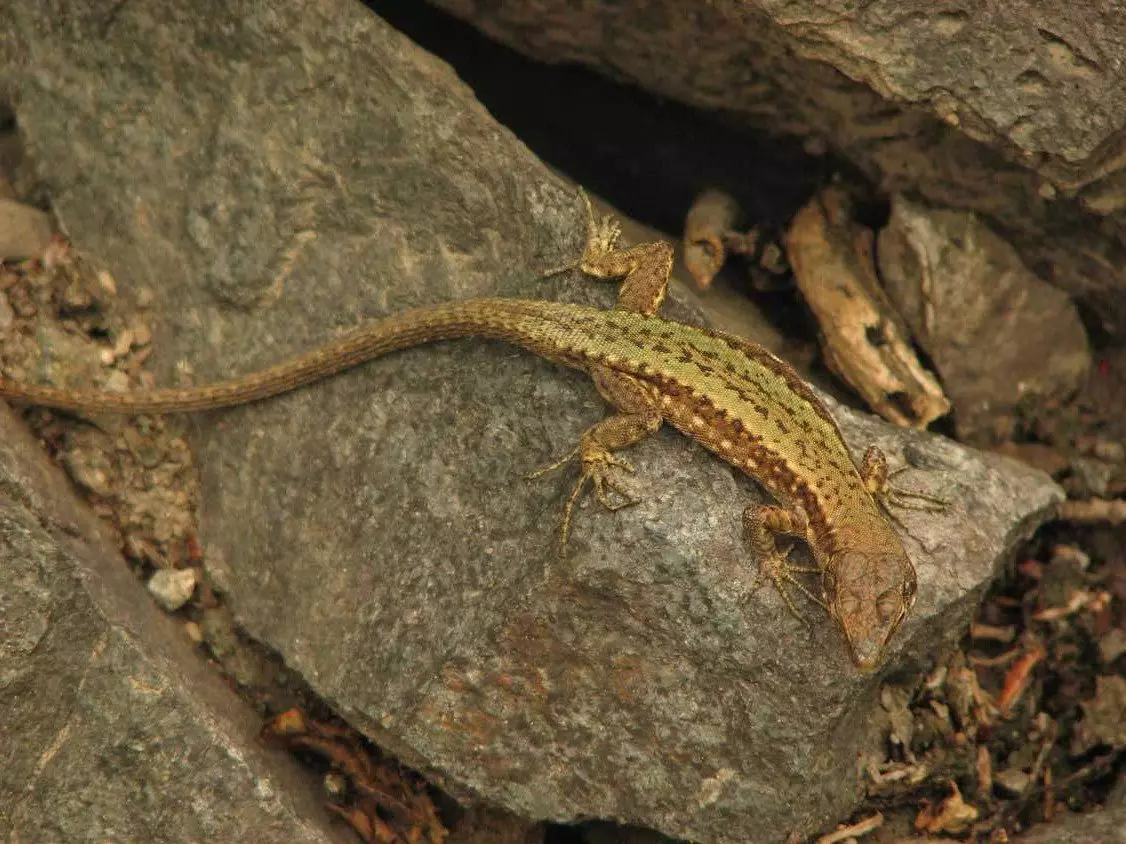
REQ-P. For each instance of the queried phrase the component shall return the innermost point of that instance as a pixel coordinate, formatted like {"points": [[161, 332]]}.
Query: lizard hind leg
{"points": [[636, 419], [762, 523]]}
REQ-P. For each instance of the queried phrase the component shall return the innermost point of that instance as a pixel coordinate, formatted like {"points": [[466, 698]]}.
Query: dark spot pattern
{"points": [[793, 443]]}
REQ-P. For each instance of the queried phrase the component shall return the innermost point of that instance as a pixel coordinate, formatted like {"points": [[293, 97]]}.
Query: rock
{"points": [[374, 530], [920, 98], [1104, 715], [114, 728], [1105, 826], [172, 588], [998, 335], [24, 231]]}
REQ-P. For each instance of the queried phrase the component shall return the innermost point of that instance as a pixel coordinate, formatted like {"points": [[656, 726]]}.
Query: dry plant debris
{"points": [[383, 803], [850, 832], [864, 340], [1023, 723], [712, 232]]}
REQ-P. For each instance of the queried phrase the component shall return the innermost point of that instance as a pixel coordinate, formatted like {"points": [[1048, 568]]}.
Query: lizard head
{"points": [[869, 593]]}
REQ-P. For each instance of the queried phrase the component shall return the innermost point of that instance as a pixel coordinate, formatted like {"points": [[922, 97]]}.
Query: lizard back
{"points": [[731, 395]]}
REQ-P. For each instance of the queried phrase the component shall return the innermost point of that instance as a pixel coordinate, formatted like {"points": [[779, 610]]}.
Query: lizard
{"points": [[730, 395]]}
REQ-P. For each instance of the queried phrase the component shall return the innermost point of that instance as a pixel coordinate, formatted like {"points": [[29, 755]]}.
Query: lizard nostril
{"points": [[866, 654]]}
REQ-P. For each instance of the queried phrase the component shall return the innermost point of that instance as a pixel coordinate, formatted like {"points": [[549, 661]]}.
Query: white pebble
{"points": [[173, 587]]}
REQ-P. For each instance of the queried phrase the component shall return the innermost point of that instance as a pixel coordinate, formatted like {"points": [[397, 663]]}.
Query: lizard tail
{"points": [[503, 319]]}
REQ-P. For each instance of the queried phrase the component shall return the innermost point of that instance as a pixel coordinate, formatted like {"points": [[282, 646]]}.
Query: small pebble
{"points": [[1112, 644], [7, 315], [1013, 780], [194, 632], [142, 333], [172, 588], [83, 471], [123, 343], [117, 382]]}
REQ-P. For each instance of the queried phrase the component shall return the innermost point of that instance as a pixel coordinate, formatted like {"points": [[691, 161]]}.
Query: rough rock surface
{"points": [[999, 336], [1013, 110], [276, 172], [24, 231], [114, 729], [1105, 826]]}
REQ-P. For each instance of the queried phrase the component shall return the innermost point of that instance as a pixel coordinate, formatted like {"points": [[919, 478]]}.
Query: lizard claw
{"points": [[777, 568], [609, 459], [604, 485], [877, 479], [602, 235], [906, 499], [597, 464], [551, 467], [596, 471]]}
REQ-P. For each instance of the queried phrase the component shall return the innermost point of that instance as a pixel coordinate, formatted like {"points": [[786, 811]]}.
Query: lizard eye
{"points": [[909, 587], [848, 604], [889, 604], [828, 584]]}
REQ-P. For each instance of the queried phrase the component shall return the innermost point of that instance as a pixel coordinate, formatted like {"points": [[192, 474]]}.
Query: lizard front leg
{"points": [[637, 417], [877, 480], [644, 269], [762, 523]]}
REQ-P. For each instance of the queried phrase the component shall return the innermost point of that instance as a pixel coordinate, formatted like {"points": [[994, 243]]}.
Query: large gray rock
{"points": [[1100, 826], [277, 172], [1013, 110], [999, 337], [114, 729]]}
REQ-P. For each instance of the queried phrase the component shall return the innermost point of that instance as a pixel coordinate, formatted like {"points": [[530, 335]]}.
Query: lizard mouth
{"points": [[865, 632], [868, 648], [866, 654]]}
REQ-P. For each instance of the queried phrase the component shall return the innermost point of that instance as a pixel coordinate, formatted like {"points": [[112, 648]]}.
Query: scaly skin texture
{"points": [[730, 395]]}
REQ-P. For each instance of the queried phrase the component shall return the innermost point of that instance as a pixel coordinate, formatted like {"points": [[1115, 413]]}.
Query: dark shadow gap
{"points": [[647, 156]]}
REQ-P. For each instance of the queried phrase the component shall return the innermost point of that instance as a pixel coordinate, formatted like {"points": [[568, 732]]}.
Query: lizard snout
{"points": [[869, 595]]}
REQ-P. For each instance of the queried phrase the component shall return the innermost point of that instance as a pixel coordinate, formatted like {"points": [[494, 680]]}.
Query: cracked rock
{"points": [[114, 729], [374, 530]]}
